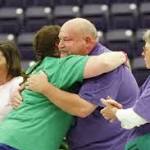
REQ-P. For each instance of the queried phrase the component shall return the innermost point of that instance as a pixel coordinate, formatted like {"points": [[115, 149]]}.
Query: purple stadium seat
{"points": [[95, 2], [66, 2], [120, 40], [125, 1], [144, 15], [96, 13], [36, 17], [46, 3], [11, 20], [18, 3], [5, 37], [24, 41], [123, 16], [64, 13]]}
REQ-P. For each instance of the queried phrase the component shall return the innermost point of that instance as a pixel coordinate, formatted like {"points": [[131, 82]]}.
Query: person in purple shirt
{"points": [[90, 131], [137, 117]]}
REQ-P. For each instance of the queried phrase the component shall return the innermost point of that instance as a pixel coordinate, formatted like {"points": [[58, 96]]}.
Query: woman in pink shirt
{"points": [[10, 75]]}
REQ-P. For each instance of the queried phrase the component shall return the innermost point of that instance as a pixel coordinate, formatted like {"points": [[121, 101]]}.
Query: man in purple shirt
{"points": [[90, 131], [93, 132]]}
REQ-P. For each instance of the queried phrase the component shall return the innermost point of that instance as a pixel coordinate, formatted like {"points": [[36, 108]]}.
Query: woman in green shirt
{"points": [[37, 124]]}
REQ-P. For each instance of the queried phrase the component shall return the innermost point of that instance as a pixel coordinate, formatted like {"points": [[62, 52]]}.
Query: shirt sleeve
{"points": [[129, 119], [72, 70], [65, 72], [102, 86]]}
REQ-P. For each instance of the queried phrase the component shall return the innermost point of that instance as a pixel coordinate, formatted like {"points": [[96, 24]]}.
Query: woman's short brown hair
{"points": [[45, 42], [12, 56]]}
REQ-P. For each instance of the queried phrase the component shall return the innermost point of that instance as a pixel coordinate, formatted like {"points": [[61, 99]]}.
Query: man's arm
{"points": [[68, 102]]}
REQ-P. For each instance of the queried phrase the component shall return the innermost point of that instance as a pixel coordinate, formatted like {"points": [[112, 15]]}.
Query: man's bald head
{"points": [[81, 25], [77, 36]]}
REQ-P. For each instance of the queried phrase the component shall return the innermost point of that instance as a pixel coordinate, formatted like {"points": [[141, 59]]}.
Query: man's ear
{"points": [[89, 43], [88, 40]]}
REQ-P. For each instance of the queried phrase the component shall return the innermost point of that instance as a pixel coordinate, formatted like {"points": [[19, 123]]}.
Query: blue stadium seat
{"points": [[144, 15], [11, 20], [24, 41], [120, 40], [36, 17], [64, 13], [98, 14], [123, 16]]}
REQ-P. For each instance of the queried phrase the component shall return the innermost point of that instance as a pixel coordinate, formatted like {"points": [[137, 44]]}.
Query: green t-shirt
{"points": [[139, 143], [38, 124]]}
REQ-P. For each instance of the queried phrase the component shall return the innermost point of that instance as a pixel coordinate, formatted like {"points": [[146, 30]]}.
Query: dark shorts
{"points": [[6, 147]]}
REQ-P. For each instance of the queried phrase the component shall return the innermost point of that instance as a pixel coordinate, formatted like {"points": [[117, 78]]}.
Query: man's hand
{"points": [[110, 109], [16, 98], [37, 82]]}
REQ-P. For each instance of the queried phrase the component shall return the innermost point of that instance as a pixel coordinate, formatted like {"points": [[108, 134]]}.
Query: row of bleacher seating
{"points": [[119, 16], [52, 3], [126, 40], [20, 17]]}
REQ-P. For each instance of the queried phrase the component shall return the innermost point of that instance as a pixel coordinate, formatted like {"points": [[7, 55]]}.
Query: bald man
{"points": [[90, 131]]}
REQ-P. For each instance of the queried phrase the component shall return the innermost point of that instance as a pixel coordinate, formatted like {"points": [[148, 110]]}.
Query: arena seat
{"points": [[123, 16], [120, 40], [36, 17], [24, 41]]}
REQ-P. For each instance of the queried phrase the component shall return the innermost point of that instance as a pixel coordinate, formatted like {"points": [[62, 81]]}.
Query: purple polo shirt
{"points": [[142, 107], [94, 132]]}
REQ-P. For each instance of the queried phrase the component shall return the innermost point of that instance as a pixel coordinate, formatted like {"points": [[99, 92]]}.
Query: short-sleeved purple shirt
{"points": [[94, 132], [142, 107]]}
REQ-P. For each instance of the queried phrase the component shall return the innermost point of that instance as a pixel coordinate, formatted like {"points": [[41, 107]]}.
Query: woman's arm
{"points": [[97, 65], [68, 102]]}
